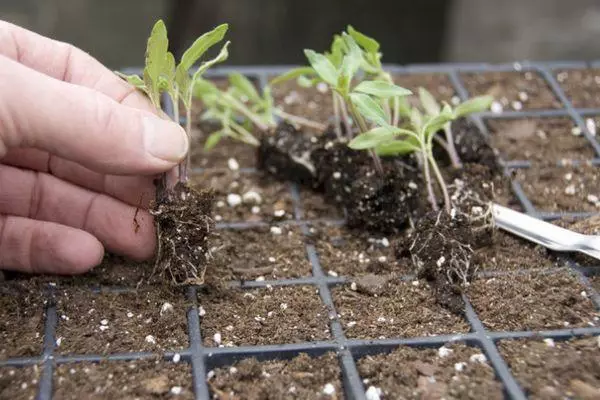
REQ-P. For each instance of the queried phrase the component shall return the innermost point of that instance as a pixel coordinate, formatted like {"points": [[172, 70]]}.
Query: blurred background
{"points": [[275, 31]]}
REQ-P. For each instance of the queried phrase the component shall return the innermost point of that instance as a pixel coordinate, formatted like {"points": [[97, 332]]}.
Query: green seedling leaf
{"points": [[323, 67], [337, 51], [213, 139], [381, 89], [222, 56], [396, 148], [293, 74], [404, 108], [416, 118], [244, 86], [369, 44], [203, 88], [474, 105], [305, 82], [369, 108], [133, 80], [376, 137], [429, 103], [201, 45], [156, 60], [434, 124]]}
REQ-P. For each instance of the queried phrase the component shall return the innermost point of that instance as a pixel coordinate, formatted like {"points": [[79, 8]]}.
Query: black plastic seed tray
{"points": [[203, 359]]}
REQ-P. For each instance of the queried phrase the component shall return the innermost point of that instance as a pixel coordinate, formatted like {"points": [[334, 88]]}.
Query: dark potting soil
{"points": [[246, 196], [438, 85], [147, 320], [140, 379], [561, 189], [384, 307], [258, 253], [315, 206], [314, 103], [302, 377], [553, 370], [19, 383], [527, 88], [543, 140], [184, 225], [582, 86], [345, 252], [219, 156], [275, 315], [455, 371], [595, 281], [532, 302], [21, 320]]}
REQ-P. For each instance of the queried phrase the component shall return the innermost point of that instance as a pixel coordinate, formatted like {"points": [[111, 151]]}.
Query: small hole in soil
{"points": [[528, 89], [264, 316], [550, 368], [453, 371], [532, 302], [123, 379], [301, 377], [393, 309]]}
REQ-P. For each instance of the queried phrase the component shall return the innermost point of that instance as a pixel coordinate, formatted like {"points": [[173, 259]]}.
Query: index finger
{"points": [[67, 63]]}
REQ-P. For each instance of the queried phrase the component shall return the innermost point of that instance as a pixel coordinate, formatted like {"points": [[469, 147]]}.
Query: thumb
{"points": [[82, 125]]}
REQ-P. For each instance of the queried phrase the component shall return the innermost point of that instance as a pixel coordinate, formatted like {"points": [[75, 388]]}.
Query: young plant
{"points": [[240, 107], [163, 75]]}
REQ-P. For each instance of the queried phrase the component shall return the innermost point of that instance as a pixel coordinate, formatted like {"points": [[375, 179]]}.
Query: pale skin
{"points": [[79, 149]]}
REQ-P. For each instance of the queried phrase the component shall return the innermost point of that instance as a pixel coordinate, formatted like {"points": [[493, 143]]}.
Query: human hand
{"points": [[78, 151]]}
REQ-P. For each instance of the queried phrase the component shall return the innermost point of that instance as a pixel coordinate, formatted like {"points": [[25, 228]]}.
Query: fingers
{"points": [[137, 191], [43, 197], [83, 126], [64, 62], [44, 247]]}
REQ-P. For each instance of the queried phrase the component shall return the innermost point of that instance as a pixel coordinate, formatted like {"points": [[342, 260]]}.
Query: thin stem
{"points": [[396, 111], [300, 120], [363, 128], [175, 101], [451, 149], [336, 114], [428, 182], [246, 112], [345, 117], [388, 110], [440, 180], [183, 167], [244, 135]]}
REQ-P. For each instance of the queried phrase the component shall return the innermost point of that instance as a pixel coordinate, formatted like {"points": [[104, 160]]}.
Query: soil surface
{"points": [[587, 226], [19, 383], [314, 103], [582, 86], [21, 320], [276, 315], [147, 320], [543, 141], [532, 302], [345, 252], [383, 308], [314, 206], [595, 281], [514, 90], [219, 156], [257, 253], [552, 370], [456, 371], [246, 196], [302, 377], [141, 379], [437, 84], [562, 189]]}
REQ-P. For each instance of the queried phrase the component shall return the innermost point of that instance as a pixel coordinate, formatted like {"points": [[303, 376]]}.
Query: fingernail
{"points": [[164, 139]]}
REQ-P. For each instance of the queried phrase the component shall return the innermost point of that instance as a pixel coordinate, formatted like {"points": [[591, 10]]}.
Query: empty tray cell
{"points": [[147, 320], [549, 369], [314, 206], [19, 383], [381, 309], [138, 379], [541, 140], [314, 103], [437, 84], [274, 315], [582, 86], [532, 302], [113, 271], [587, 226], [258, 253], [561, 189], [345, 252], [220, 155], [453, 371], [21, 320], [302, 377], [246, 196], [511, 253], [513, 90]]}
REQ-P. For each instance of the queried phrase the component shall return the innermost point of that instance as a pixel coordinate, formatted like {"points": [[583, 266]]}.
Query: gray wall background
{"points": [[274, 31]]}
